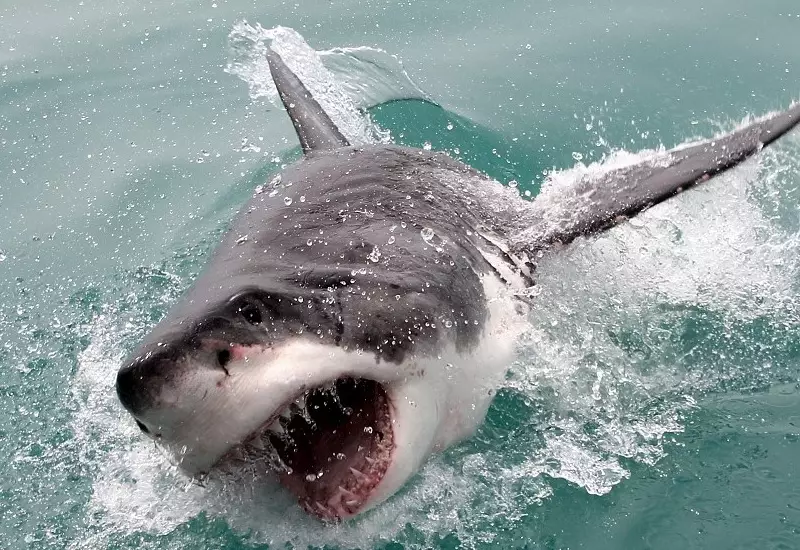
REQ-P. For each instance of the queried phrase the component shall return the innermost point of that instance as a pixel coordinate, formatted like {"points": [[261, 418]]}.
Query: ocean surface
{"points": [[656, 402]]}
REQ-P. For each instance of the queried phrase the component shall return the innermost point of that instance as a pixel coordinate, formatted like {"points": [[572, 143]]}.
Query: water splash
{"points": [[345, 81], [630, 328], [371, 76]]}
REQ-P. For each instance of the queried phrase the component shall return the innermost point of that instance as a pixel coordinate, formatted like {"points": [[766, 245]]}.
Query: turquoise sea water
{"points": [[656, 402]]}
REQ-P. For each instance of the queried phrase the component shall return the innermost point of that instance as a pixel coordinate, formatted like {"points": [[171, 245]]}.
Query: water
{"points": [[656, 402]]}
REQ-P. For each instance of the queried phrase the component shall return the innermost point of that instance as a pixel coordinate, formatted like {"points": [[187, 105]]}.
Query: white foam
{"points": [[714, 249]]}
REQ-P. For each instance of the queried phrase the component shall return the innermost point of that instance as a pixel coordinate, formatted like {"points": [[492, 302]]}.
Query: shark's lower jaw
{"points": [[331, 447]]}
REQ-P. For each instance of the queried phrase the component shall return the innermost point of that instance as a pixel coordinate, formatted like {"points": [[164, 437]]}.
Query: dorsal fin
{"points": [[314, 127]]}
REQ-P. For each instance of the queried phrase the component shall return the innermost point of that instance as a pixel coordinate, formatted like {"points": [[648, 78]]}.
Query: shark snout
{"points": [[144, 382], [140, 379]]}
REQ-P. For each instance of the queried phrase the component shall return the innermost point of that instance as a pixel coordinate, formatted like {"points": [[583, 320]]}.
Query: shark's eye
{"points": [[251, 314]]}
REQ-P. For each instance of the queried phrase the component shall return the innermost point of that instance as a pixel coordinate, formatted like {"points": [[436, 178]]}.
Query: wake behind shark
{"points": [[361, 310]]}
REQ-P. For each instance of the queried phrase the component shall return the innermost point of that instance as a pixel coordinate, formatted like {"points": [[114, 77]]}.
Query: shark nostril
{"points": [[142, 427], [223, 357]]}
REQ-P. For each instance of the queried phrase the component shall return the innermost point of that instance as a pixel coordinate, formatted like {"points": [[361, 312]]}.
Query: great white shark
{"points": [[363, 307]]}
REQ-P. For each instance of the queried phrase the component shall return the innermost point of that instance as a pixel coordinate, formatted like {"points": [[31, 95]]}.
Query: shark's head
{"points": [[344, 407]]}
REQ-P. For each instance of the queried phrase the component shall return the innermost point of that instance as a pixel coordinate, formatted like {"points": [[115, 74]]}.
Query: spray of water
{"points": [[372, 76]]}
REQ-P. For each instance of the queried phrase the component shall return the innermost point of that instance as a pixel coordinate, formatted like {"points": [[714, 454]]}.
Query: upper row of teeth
{"points": [[298, 406]]}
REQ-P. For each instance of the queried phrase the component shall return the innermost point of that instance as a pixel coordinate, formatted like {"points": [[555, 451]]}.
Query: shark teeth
{"points": [[346, 493], [258, 443], [359, 475]]}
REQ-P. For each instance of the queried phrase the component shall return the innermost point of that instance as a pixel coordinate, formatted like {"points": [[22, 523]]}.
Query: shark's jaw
{"points": [[331, 447]]}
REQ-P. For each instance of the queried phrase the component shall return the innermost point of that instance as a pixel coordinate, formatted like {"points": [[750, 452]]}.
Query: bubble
{"points": [[287, 201], [427, 234]]}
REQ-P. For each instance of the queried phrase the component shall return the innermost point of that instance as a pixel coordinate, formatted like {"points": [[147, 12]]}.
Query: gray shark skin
{"points": [[360, 311]]}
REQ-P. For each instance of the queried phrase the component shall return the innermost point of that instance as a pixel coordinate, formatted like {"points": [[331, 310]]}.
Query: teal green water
{"points": [[656, 403]]}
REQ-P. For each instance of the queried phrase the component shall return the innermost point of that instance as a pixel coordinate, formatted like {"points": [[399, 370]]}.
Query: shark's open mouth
{"points": [[330, 447]]}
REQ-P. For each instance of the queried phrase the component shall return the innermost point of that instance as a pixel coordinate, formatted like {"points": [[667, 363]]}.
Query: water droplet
{"points": [[309, 242], [375, 255], [287, 201], [450, 126], [448, 323], [427, 234], [2, 256], [311, 477], [513, 183], [427, 146], [391, 239], [577, 156], [242, 239], [302, 198]]}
